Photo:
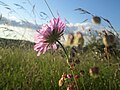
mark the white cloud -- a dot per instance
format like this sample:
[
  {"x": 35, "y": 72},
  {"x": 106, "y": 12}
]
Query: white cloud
[
  {"x": 12, "y": 32},
  {"x": 14, "y": 18},
  {"x": 25, "y": 33},
  {"x": 83, "y": 27}
]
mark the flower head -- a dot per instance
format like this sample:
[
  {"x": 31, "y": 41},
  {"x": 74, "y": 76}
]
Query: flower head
[{"x": 48, "y": 35}]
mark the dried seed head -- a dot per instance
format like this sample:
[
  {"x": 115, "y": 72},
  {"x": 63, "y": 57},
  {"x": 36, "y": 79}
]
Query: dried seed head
[
  {"x": 61, "y": 82},
  {"x": 70, "y": 60},
  {"x": 96, "y": 20},
  {"x": 71, "y": 68},
  {"x": 72, "y": 53},
  {"x": 77, "y": 61},
  {"x": 70, "y": 87},
  {"x": 82, "y": 73},
  {"x": 94, "y": 71}
]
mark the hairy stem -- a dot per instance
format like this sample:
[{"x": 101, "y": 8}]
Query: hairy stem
[{"x": 68, "y": 62}]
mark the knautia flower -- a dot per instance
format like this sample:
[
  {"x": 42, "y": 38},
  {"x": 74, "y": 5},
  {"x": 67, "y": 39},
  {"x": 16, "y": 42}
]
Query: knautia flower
[{"x": 48, "y": 35}]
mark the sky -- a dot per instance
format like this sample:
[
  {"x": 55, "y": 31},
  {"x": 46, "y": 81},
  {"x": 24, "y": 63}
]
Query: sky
[{"x": 109, "y": 9}]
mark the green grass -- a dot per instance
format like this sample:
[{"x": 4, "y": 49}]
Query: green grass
[{"x": 21, "y": 69}]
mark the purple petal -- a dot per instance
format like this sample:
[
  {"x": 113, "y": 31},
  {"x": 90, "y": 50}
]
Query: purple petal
[
  {"x": 38, "y": 54},
  {"x": 54, "y": 46}
]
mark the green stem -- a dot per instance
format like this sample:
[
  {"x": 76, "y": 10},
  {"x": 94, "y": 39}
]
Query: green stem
[
  {"x": 68, "y": 62},
  {"x": 83, "y": 83},
  {"x": 63, "y": 49}
]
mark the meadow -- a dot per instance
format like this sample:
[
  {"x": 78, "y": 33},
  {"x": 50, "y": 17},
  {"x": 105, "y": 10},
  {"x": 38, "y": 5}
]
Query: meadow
[
  {"x": 21, "y": 69},
  {"x": 94, "y": 66}
]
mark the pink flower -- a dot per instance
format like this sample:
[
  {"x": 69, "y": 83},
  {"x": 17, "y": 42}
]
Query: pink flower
[{"x": 48, "y": 35}]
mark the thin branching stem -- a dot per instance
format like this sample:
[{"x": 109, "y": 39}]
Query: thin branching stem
[
  {"x": 68, "y": 62},
  {"x": 49, "y": 8},
  {"x": 106, "y": 20}
]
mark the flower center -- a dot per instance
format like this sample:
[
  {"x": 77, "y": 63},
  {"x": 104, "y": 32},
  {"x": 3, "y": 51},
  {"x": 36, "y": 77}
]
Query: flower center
[{"x": 54, "y": 36}]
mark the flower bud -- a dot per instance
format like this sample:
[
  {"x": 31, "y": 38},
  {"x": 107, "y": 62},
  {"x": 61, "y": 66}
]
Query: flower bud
[
  {"x": 77, "y": 76},
  {"x": 64, "y": 76},
  {"x": 69, "y": 75},
  {"x": 72, "y": 64}
]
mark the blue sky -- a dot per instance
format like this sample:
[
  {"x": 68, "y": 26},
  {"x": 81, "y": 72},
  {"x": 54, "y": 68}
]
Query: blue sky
[{"x": 109, "y": 9}]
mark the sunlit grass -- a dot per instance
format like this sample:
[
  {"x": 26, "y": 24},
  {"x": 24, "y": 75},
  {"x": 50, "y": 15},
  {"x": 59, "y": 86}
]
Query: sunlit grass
[{"x": 21, "y": 69}]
